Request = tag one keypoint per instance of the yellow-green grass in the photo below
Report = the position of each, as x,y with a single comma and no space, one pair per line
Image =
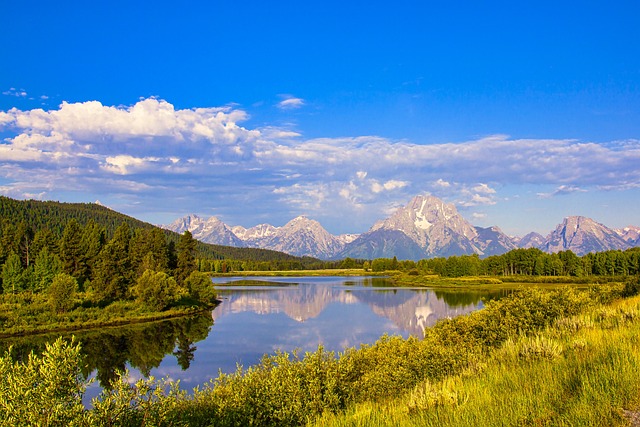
296,273
582,371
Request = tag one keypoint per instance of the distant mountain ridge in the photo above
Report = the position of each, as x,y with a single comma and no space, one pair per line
582,235
426,227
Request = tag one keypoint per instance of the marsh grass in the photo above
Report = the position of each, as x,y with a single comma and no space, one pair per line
582,371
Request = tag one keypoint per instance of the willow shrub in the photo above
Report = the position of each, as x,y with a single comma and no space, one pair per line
43,391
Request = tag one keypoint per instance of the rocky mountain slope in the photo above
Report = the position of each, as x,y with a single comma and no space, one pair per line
431,228
426,227
630,234
210,230
531,240
582,235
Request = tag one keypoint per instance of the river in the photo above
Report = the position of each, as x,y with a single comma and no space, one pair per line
260,315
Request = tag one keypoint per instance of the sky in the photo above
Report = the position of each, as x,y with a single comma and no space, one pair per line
255,112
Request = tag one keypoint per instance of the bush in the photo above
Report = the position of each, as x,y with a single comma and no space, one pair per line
45,390
62,292
157,290
200,287
631,287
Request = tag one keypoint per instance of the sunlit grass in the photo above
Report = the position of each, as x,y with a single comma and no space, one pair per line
581,371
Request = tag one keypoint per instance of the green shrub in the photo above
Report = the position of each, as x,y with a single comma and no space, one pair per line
200,287
62,292
157,290
45,390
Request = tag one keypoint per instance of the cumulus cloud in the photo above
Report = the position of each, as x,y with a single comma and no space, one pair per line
151,150
390,185
290,103
442,183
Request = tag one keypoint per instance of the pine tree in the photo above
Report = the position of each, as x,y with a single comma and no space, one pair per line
92,241
113,276
71,250
44,238
186,256
47,266
12,274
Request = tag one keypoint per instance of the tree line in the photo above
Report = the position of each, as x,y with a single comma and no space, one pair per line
527,262
140,264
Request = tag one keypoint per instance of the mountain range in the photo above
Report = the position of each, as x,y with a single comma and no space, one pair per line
426,227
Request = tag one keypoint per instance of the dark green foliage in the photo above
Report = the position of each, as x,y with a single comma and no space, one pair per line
532,262
12,277
186,256
92,241
149,251
71,252
46,267
113,275
631,287
44,238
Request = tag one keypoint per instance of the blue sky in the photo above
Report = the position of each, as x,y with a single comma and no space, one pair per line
520,114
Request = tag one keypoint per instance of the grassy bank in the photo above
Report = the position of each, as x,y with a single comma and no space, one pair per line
27,314
297,273
578,371
498,282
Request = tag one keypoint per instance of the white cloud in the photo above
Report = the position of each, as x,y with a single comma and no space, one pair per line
124,164
290,103
206,154
562,190
442,183
484,189
20,93
390,185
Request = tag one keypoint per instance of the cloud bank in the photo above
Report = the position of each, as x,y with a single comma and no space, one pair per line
180,160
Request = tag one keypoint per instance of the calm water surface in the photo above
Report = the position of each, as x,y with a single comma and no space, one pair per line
258,316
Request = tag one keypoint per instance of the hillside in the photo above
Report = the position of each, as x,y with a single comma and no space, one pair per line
55,215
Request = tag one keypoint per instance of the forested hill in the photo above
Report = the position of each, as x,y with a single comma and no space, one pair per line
37,215
55,215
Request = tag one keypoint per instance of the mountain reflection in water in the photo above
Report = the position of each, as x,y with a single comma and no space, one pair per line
410,309
257,317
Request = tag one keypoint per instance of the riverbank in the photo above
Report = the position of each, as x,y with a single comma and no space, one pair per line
30,314
418,279
580,370
346,272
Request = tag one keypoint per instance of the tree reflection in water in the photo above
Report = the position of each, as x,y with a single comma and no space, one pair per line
142,346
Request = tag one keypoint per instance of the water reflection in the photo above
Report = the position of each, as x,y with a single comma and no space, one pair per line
141,346
259,316
410,309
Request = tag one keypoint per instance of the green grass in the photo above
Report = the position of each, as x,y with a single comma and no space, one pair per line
581,371
297,273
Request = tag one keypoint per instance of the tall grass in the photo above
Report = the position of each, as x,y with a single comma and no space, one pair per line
580,371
